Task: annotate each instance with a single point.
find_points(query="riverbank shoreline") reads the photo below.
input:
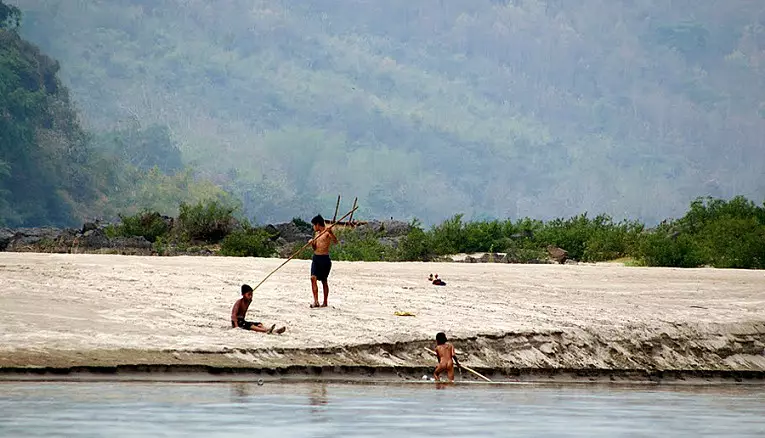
(63, 316)
(188, 373)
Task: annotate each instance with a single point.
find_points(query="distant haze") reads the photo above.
(429, 108)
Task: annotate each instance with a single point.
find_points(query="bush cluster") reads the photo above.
(714, 232)
(248, 242)
(203, 223)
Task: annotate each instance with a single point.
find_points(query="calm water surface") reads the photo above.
(393, 411)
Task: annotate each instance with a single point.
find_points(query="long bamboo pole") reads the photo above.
(350, 219)
(337, 206)
(467, 368)
(302, 248)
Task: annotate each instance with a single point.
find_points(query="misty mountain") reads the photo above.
(432, 107)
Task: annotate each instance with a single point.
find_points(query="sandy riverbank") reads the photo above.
(62, 311)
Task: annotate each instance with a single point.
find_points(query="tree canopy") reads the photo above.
(426, 108)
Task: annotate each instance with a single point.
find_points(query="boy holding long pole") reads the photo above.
(320, 263)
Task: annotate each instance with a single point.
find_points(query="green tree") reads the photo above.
(10, 16)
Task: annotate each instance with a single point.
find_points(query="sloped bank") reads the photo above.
(695, 355)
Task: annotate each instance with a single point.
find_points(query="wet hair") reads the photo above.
(246, 288)
(318, 220)
(441, 338)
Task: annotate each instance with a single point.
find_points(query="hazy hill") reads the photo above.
(427, 108)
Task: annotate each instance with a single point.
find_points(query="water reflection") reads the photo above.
(284, 410)
(241, 391)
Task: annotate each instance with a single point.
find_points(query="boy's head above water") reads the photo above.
(441, 338)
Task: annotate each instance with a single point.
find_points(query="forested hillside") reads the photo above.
(54, 172)
(432, 107)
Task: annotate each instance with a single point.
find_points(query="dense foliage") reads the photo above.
(47, 170)
(495, 108)
(54, 172)
(714, 232)
(248, 242)
(724, 234)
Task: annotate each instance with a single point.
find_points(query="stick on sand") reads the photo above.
(467, 368)
(302, 248)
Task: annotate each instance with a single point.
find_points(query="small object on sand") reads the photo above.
(260, 382)
(404, 314)
(425, 378)
(437, 281)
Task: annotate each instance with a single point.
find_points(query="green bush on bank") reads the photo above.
(205, 222)
(361, 246)
(148, 224)
(663, 247)
(248, 242)
(591, 240)
(714, 232)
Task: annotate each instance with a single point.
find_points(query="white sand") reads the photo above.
(96, 302)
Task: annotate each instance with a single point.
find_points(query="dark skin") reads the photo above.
(446, 360)
(239, 311)
(321, 244)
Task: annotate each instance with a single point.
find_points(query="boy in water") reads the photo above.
(240, 311)
(321, 264)
(446, 358)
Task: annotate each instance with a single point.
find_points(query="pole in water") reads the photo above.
(467, 368)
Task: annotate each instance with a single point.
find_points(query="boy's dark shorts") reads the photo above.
(320, 267)
(247, 325)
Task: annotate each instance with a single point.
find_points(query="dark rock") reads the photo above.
(292, 233)
(6, 234)
(94, 239)
(557, 254)
(89, 226)
(491, 258)
(139, 242)
(396, 228)
(26, 239)
(387, 228)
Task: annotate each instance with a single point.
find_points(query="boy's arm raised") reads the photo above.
(333, 237)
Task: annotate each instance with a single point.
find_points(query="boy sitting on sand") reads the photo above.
(240, 311)
(446, 358)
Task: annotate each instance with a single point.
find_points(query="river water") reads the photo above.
(276, 410)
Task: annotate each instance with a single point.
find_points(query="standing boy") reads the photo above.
(320, 264)
(240, 311)
(446, 358)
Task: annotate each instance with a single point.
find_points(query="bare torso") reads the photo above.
(322, 241)
(240, 309)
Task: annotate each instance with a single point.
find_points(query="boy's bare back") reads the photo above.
(445, 353)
